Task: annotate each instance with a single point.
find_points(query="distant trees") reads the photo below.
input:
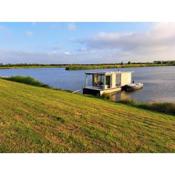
(157, 62)
(172, 62)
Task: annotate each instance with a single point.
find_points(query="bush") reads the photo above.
(26, 80)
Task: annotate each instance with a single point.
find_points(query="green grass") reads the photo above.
(37, 119)
(26, 80)
(28, 66)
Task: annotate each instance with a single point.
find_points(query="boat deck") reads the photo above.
(99, 91)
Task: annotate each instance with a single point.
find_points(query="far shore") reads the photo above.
(111, 66)
(89, 66)
(29, 66)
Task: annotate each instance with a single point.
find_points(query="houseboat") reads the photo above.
(99, 83)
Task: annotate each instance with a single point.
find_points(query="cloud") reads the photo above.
(158, 42)
(154, 43)
(72, 27)
(9, 56)
(67, 53)
(29, 33)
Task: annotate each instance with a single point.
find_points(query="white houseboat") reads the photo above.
(99, 83)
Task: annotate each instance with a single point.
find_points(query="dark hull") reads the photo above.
(91, 91)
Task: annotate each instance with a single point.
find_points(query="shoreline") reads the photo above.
(160, 107)
(89, 67)
(29, 67)
(86, 66)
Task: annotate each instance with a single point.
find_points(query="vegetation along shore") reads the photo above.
(18, 66)
(119, 65)
(40, 119)
(89, 66)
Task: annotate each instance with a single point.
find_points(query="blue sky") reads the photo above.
(84, 42)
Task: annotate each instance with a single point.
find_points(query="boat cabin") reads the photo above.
(98, 83)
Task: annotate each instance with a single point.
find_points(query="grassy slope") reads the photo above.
(35, 119)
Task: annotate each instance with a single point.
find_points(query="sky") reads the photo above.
(114, 42)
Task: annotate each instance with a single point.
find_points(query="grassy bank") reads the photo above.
(37, 119)
(26, 80)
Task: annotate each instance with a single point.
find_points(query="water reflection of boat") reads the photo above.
(132, 87)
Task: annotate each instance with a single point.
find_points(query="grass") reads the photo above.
(167, 108)
(37, 119)
(26, 80)
(18, 66)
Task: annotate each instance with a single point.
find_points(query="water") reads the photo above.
(159, 82)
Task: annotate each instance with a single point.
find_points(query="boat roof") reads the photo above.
(106, 72)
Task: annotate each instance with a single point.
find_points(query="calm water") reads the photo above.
(159, 82)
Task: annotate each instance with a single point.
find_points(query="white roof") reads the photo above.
(106, 72)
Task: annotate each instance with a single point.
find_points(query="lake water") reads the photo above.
(159, 82)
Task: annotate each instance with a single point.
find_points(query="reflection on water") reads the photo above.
(159, 82)
(121, 96)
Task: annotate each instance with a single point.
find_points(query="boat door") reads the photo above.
(118, 80)
(108, 81)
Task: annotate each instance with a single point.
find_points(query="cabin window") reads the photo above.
(97, 80)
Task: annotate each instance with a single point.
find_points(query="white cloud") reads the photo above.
(72, 27)
(158, 42)
(67, 53)
(29, 33)
(7, 56)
